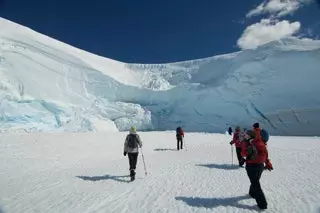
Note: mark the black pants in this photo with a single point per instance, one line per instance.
(254, 172)
(133, 158)
(240, 160)
(179, 143)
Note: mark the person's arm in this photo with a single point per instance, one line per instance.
(125, 147)
(268, 162)
(234, 139)
(244, 147)
(139, 141)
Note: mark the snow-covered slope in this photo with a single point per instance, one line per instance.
(46, 85)
(87, 173)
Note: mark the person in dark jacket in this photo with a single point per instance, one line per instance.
(256, 154)
(230, 130)
(236, 140)
(179, 136)
(131, 147)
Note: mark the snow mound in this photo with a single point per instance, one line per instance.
(46, 85)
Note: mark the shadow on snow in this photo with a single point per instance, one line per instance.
(165, 149)
(216, 202)
(105, 177)
(220, 166)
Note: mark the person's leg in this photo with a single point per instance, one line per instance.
(135, 160)
(260, 197)
(251, 175)
(254, 173)
(131, 163)
(238, 150)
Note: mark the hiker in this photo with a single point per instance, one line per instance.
(179, 136)
(263, 134)
(256, 129)
(255, 153)
(238, 145)
(230, 130)
(131, 147)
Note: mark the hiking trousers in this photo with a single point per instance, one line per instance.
(240, 160)
(179, 143)
(133, 158)
(254, 172)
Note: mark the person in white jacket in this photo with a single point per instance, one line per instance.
(131, 147)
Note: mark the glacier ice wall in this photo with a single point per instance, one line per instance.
(46, 85)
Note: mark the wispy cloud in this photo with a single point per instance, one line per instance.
(265, 31)
(277, 8)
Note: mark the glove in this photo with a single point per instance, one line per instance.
(231, 143)
(242, 160)
(268, 165)
(124, 153)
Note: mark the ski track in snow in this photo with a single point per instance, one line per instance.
(88, 173)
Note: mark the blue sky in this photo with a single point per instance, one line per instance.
(150, 31)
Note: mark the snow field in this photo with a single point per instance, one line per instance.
(87, 172)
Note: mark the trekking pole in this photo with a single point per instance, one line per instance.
(232, 154)
(144, 164)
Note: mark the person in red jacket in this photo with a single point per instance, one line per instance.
(179, 136)
(256, 129)
(255, 153)
(238, 144)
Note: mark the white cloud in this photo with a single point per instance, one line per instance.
(278, 8)
(265, 31)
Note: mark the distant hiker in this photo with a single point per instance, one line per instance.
(238, 144)
(261, 133)
(131, 147)
(179, 136)
(255, 153)
(230, 131)
(256, 129)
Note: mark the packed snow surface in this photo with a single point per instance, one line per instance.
(46, 85)
(87, 172)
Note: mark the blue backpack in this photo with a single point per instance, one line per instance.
(264, 135)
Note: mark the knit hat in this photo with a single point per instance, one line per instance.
(251, 133)
(256, 125)
(133, 129)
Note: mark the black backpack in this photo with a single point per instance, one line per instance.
(132, 141)
(178, 131)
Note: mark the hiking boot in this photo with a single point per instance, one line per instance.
(262, 207)
(251, 195)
